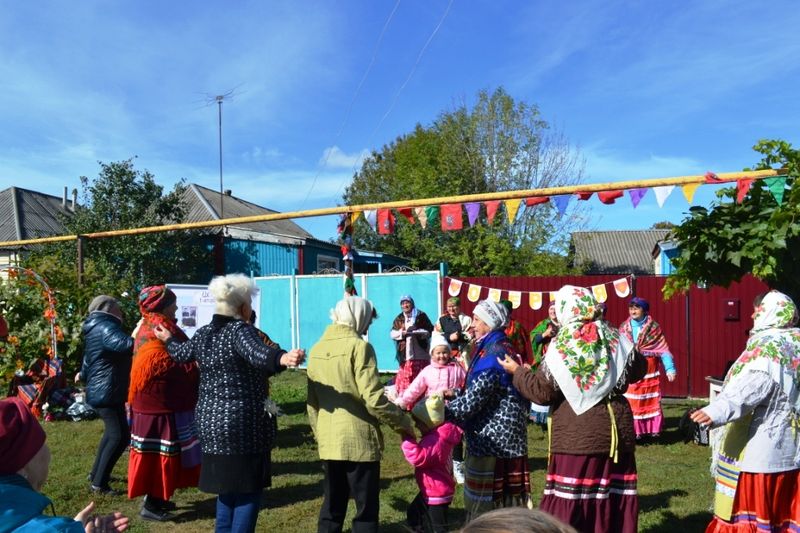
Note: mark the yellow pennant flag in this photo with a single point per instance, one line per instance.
(354, 216)
(535, 300)
(515, 297)
(455, 287)
(689, 190)
(552, 296)
(494, 295)
(600, 293)
(512, 206)
(474, 293)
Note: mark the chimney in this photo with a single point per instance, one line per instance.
(64, 199)
(74, 198)
(228, 192)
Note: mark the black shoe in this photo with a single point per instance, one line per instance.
(108, 491)
(155, 514)
(157, 504)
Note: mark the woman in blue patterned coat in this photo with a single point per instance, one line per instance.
(494, 418)
(233, 425)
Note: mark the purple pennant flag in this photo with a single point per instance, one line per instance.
(561, 202)
(473, 210)
(637, 195)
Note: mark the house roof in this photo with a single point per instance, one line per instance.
(204, 204)
(616, 252)
(26, 214)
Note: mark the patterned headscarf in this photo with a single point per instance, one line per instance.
(640, 302)
(587, 357)
(155, 298)
(492, 313)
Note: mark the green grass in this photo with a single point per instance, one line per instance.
(675, 489)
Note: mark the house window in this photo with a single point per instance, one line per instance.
(327, 262)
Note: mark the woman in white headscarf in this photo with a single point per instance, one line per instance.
(346, 405)
(494, 418)
(757, 464)
(591, 475)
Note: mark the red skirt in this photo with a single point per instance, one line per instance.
(407, 372)
(592, 493)
(163, 456)
(763, 503)
(645, 399)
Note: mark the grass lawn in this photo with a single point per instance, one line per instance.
(675, 489)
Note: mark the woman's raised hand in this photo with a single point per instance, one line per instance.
(163, 334)
(293, 358)
(508, 364)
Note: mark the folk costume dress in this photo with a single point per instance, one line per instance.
(645, 395)
(757, 452)
(412, 346)
(591, 474)
(493, 416)
(164, 451)
(518, 337)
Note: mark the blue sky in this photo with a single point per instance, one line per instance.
(643, 89)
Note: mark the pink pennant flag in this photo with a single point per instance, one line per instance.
(636, 196)
(742, 186)
(491, 209)
(473, 211)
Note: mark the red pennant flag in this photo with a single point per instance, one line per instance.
(530, 202)
(451, 217)
(491, 209)
(408, 213)
(385, 221)
(583, 195)
(742, 186)
(711, 177)
(608, 197)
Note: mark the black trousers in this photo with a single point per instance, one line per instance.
(116, 437)
(344, 479)
(420, 513)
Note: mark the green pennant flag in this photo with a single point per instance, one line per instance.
(432, 212)
(777, 186)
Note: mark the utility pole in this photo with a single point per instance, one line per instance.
(219, 99)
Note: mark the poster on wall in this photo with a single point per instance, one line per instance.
(196, 306)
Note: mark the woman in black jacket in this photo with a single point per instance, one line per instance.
(106, 370)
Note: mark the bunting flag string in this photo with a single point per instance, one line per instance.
(622, 288)
(450, 217)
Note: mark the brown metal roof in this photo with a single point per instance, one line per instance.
(616, 252)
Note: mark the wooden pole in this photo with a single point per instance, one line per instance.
(483, 197)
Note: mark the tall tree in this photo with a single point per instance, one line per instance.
(760, 235)
(498, 144)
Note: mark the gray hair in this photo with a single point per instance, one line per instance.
(231, 292)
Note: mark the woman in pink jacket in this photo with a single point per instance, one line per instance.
(442, 374)
(431, 458)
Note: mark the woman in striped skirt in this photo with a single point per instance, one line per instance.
(591, 474)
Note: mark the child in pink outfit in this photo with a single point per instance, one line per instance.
(442, 374)
(432, 459)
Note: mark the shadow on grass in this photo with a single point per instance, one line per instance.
(275, 497)
(671, 523)
(456, 516)
(196, 510)
(651, 502)
(294, 408)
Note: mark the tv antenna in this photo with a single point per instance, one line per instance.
(218, 99)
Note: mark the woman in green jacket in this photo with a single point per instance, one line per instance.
(346, 405)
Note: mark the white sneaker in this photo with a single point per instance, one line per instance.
(458, 471)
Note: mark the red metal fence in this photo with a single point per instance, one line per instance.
(705, 329)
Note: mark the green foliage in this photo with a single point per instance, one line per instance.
(497, 145)
(758, 236)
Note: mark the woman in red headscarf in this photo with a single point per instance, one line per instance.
(165, 452)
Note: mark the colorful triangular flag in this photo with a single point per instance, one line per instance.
(636, 195)
(451, 217)
(584, 195)
(432, 213)
(777, 187)
(536, 200)
(491, 209)
(385, 221)
(662, 193)
(562, 201)
(742, 186)
(371, 216)
(408, 213)
(473, 211)
(609, 197)
(512, 206)
(421, 216)
(689, 190)
(712, 178)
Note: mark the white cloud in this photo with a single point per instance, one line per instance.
(334, 157)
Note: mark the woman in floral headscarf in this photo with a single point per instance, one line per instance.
(591, 475)
(164, 454)
(645, 395)
(757, 452)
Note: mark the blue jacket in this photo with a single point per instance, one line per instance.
(22, 508)
(107, 357)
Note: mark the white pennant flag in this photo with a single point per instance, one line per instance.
(371, 215)
(494, 295)
(662, 193)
